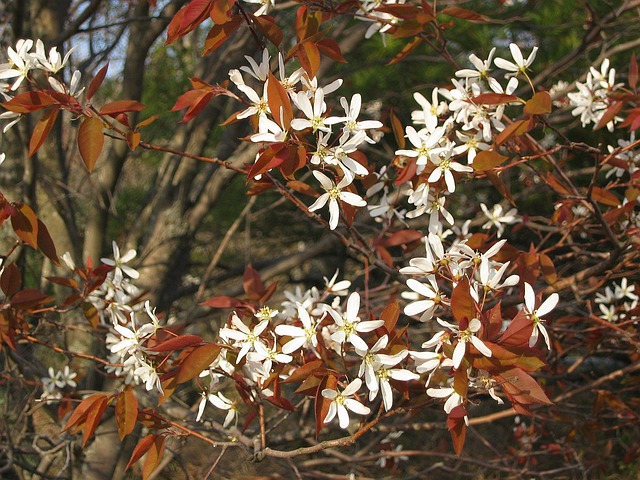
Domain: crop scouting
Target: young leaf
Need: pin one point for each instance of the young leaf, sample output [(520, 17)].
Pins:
[(126, 412), (96, 82), (90, 141), (45, 243), (539, 104), (177, 343), (154, 455), (42, 129), (10, 280), (279, 102), (141, 448), (121, 106), (94, 415), (487, 160), (25, 224), (198, 360), (462, 304), (457, 427)]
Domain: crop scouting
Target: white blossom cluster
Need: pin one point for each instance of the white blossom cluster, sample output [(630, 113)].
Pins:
[(616, 303), (591, 100), (54, 384)]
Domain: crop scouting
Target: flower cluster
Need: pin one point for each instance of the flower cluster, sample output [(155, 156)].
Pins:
[(616, 303)]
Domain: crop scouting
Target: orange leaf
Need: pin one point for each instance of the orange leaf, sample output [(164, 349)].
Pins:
[(493, 99), (403, 237), (279, 102), (309, 57), (154, 455), (219, 34), (25, 224), (390, 315), (177, 343), (268, 27), (539, 104), (220, 11), (42, 129), (609, 114), (457, 427), (406, 50), (548, 269), (322, 403), (465, 14), (29, 102), (331, 49), (82, 410), (197, 361), (94, 415), (126, 412), (303, 372), (121, 106), (516, 129), (487, 160), (142, 447), (90, 141), (462, 305), (605, 197)]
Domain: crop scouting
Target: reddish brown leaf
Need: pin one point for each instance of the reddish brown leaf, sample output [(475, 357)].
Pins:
[(96, 82), (219, 34), (10, 280), (82, 410), (177, 343), (516, 129), (303, 372), (309, 57), (94, 416), (126, 412), (457, 427), (28, 102), (493, 99), (462, 305), (390, 315), (251, 282), (403, 237), (539, 104), (121, 106), (25, 224), (29, 298), (605, 197), (279, 102), (302, 187), (221, 11), (487, 160), (268, 27), (609, 114), (331, 49), (154, 455), (197, 361), (465, 14), (45, 243), (548, 269), (91, 313), (399, 10), (406, 50), (90, 141), (222, 302), (521, 389), (398, 130), (42, 129), (141, 448), (272, 157), (633, 72)]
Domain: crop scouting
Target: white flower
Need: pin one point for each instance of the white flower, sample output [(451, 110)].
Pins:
[(340, 402), (497, 218), (535, 314), (453, 398), (466, 336), (340, 288), (351, 123), (20, 63), (349, 324), (244, 338), (147, 374), (218, 400), (520, 65), (481, 67), (119, 263), (300, 337), (332, 194), (54, 63), (431, 291), (444, 167), (314, 114)]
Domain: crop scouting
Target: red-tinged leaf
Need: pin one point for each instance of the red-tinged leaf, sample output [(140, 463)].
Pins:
[(25, 224), (268, 28), (270, 290), (82, 410), (96, 82), (496, 181), (90, 141), (390, 315), (408, 171), (309, 57), (126, 412), (310, 385), (154, 455), (493, 99), (462, 305), (221, 11), (133, 140), (322, 403), (11, 279), (219, 34), (94, 416), (45, 243), (633, 72), (279, 102), (91, 314), (403, 237), (515, 129), (272, 157), (556, 185), (251, 282), (222, 302), (29, 102), (633, 119), (169, 386), (605, 197), (398, 130), (487, 160), (147, 121), (609, 114), (461, 382), (177, 343), (331, 49), (539, 104), (42, 129), (518, 332), (465, 14), (409, 28), (302, 187), (457, 427), (300, 373), (399, 10), (121, 106), (150, 419), (384, 255), (141, 448), (521, 389), (548, 269), (406, 50), (197, 361)]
